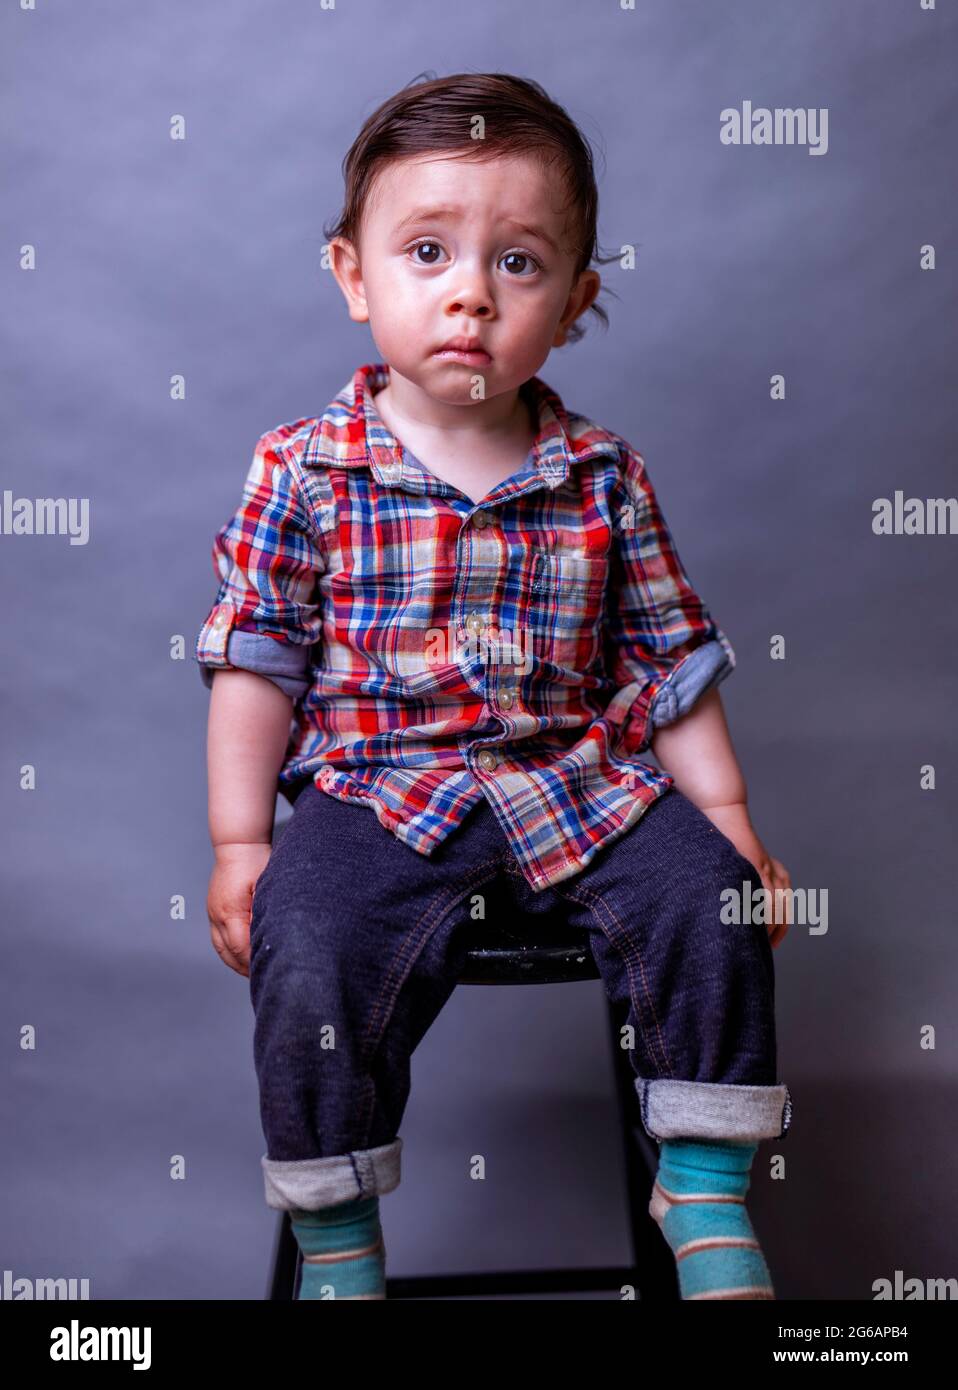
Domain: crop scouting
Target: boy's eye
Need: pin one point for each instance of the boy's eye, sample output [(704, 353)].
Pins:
[(428, 246), (524, 258)]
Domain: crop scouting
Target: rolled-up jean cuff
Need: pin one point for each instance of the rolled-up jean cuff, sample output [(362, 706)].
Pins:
[(309, 1184), (672, 1109)]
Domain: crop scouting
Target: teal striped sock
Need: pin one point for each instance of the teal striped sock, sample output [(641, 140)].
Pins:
[(343, 1251), (699, 1202)]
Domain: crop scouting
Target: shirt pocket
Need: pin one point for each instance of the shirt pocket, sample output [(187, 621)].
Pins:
[(564, 612)]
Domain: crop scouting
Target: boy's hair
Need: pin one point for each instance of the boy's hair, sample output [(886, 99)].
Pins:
[(436, 116)]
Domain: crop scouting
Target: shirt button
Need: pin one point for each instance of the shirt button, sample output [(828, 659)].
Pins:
[(481, 519), (475, 622), (506, 700), (222, 618), (488, 759)]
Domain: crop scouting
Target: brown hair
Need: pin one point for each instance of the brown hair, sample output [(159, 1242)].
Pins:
[(435, 115)]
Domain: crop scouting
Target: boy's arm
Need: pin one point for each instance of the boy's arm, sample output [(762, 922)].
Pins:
[(248, 729), (247, 734), (254, 645), (668, 655), (697, 751)]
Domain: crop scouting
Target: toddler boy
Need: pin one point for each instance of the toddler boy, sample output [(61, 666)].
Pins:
[(450, 618)]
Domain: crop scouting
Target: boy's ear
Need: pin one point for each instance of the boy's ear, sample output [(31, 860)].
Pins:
[(344, 263), (580, 297)]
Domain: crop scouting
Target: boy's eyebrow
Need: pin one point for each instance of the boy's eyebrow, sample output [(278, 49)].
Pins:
[(531, 230), (434, 214)]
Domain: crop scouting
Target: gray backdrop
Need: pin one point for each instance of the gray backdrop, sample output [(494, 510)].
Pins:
[(201, 257)]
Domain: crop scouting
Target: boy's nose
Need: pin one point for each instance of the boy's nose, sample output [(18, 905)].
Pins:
[(472, 294), (465, 303)]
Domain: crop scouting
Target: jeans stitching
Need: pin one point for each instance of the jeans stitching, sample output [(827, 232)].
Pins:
[(436, 903), (589, 900), (439, 906)]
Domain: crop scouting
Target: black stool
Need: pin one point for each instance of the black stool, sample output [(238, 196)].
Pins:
[(502, 957)]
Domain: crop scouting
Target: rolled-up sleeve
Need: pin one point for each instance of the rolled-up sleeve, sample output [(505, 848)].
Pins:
[(662, 646), (269, 556)]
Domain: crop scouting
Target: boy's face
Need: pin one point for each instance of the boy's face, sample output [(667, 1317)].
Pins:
[(464, 248)]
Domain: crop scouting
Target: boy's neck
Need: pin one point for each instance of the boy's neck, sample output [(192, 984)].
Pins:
[(503, 423), (470, 447)]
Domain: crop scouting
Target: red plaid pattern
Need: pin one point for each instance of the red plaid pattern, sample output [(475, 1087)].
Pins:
[(523, 649)]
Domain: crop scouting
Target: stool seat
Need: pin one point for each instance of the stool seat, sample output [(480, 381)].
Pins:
[(503, 957)]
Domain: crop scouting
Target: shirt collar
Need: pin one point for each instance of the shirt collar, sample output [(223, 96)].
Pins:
[(351, 433)]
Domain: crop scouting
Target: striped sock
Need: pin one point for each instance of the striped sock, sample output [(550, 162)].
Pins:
[(343, 1251), (698, 1201)]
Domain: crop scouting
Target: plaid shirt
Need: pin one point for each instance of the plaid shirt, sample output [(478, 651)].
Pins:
[(523, 649)]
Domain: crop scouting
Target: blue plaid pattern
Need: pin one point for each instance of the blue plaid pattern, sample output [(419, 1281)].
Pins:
[(438, 652)]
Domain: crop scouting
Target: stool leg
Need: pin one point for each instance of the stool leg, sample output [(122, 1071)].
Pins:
[(655, 1272), (284, 1277)]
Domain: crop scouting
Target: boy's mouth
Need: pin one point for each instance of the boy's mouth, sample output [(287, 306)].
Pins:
[(464, 350)]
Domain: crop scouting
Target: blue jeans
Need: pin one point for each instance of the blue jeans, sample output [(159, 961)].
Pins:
[(357, 941)]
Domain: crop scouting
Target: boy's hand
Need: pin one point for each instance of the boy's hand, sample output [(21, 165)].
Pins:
[(735, 823), (229, 902)]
